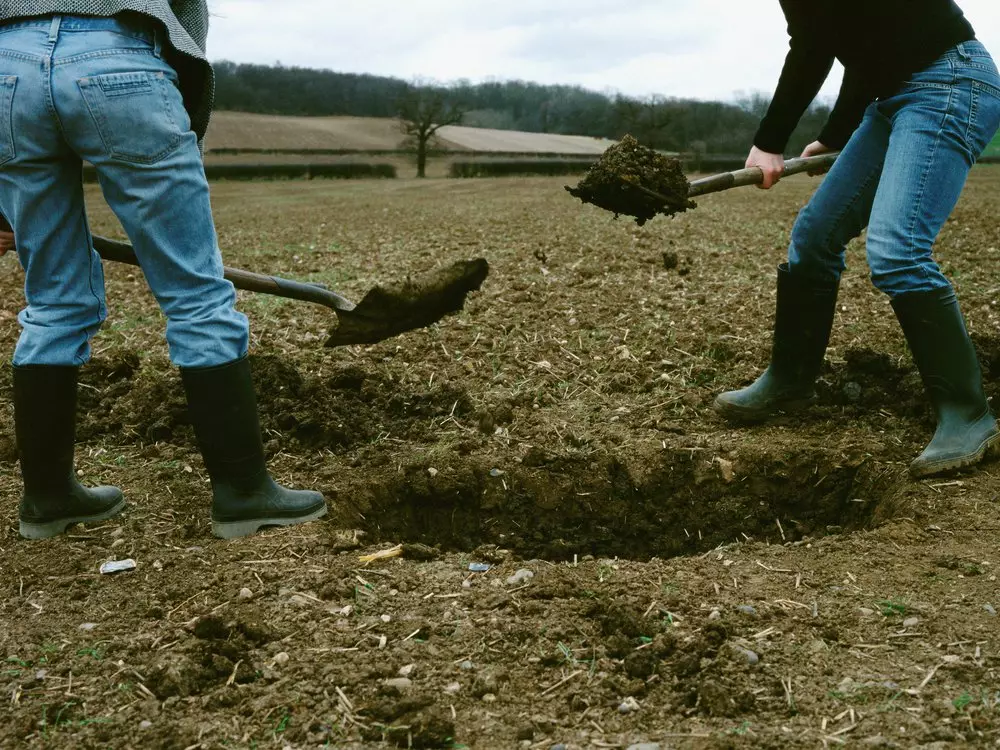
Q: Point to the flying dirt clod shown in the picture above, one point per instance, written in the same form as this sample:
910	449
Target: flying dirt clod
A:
634	180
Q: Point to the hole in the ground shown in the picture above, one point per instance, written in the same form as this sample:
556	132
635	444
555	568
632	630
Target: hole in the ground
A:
676	502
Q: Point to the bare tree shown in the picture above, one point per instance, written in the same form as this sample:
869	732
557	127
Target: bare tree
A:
423	110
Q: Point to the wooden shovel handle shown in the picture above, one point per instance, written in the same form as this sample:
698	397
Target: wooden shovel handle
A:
122	252
754	176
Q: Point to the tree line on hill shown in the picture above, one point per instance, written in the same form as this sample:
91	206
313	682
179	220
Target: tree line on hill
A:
658	121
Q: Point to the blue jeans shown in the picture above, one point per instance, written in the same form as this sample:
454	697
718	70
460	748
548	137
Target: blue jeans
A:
75	88
901	175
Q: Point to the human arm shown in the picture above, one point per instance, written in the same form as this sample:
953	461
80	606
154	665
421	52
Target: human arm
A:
806	67
852	101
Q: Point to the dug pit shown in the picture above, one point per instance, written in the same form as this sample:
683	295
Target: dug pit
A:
676	502
681	495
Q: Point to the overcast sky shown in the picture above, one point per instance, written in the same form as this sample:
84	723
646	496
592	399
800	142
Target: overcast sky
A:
708	49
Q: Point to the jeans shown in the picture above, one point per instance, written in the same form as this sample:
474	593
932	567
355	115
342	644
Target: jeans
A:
98	89
901	175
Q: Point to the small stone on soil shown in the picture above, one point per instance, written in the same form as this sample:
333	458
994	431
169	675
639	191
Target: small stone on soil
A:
645	746
629	705
281	658
747	609
400	683
990	610
466	665
520	577
407	670
865	612
751	657
452	687
714	614
88	626
145	724
246	593
911	622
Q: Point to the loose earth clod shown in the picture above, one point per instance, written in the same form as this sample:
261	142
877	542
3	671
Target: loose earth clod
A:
387	311
634	180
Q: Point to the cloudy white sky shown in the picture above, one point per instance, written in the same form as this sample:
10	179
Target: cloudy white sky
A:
708	49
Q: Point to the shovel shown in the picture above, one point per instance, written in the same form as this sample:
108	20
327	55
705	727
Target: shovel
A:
383	312
634	199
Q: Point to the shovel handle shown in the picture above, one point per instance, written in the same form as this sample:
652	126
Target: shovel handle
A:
754	176
122	252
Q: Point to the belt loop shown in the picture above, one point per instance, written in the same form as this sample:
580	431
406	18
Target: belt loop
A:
54	29
963	52
158	42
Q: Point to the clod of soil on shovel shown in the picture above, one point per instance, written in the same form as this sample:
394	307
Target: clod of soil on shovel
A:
622	181
387	311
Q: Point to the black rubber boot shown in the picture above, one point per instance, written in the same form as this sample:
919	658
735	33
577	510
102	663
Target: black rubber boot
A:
966	430
45	428
802	322
223	409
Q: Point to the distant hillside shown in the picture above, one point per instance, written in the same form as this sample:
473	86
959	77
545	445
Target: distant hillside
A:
663	122
241	130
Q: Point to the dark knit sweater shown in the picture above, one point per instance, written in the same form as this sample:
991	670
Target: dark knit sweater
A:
881	43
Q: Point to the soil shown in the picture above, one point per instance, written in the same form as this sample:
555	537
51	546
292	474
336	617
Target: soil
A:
642	572
402	306
634	180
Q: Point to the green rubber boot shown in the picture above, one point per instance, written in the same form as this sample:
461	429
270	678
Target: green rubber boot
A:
802	322
223	409
935	331
45	428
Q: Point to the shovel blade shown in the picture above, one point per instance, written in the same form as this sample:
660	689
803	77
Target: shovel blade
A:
388	311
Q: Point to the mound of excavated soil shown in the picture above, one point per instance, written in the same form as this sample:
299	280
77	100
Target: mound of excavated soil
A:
633	180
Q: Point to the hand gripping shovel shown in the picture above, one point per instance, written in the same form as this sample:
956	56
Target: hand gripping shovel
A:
383	312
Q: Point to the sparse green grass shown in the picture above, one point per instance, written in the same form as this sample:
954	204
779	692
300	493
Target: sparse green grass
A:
994	148
894	607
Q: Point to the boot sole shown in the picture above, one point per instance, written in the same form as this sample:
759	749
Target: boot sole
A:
746	415
236	529
35	531
930	469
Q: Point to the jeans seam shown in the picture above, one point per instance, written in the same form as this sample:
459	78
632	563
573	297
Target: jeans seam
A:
20	56
931	153
103	53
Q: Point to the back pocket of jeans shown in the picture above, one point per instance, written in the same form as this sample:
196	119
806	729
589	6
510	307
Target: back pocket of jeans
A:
136	114
7	86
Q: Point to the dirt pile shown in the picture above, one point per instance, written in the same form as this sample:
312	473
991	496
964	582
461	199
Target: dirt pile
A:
633	180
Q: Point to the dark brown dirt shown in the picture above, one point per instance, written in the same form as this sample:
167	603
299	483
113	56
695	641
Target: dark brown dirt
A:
634	180
390	310
693	584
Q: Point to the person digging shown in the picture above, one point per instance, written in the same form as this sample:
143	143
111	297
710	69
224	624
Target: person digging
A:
920	102
130	92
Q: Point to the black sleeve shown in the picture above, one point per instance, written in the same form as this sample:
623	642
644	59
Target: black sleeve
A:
806	67
854	98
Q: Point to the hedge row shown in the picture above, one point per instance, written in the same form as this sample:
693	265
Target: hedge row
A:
345	170
519	167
